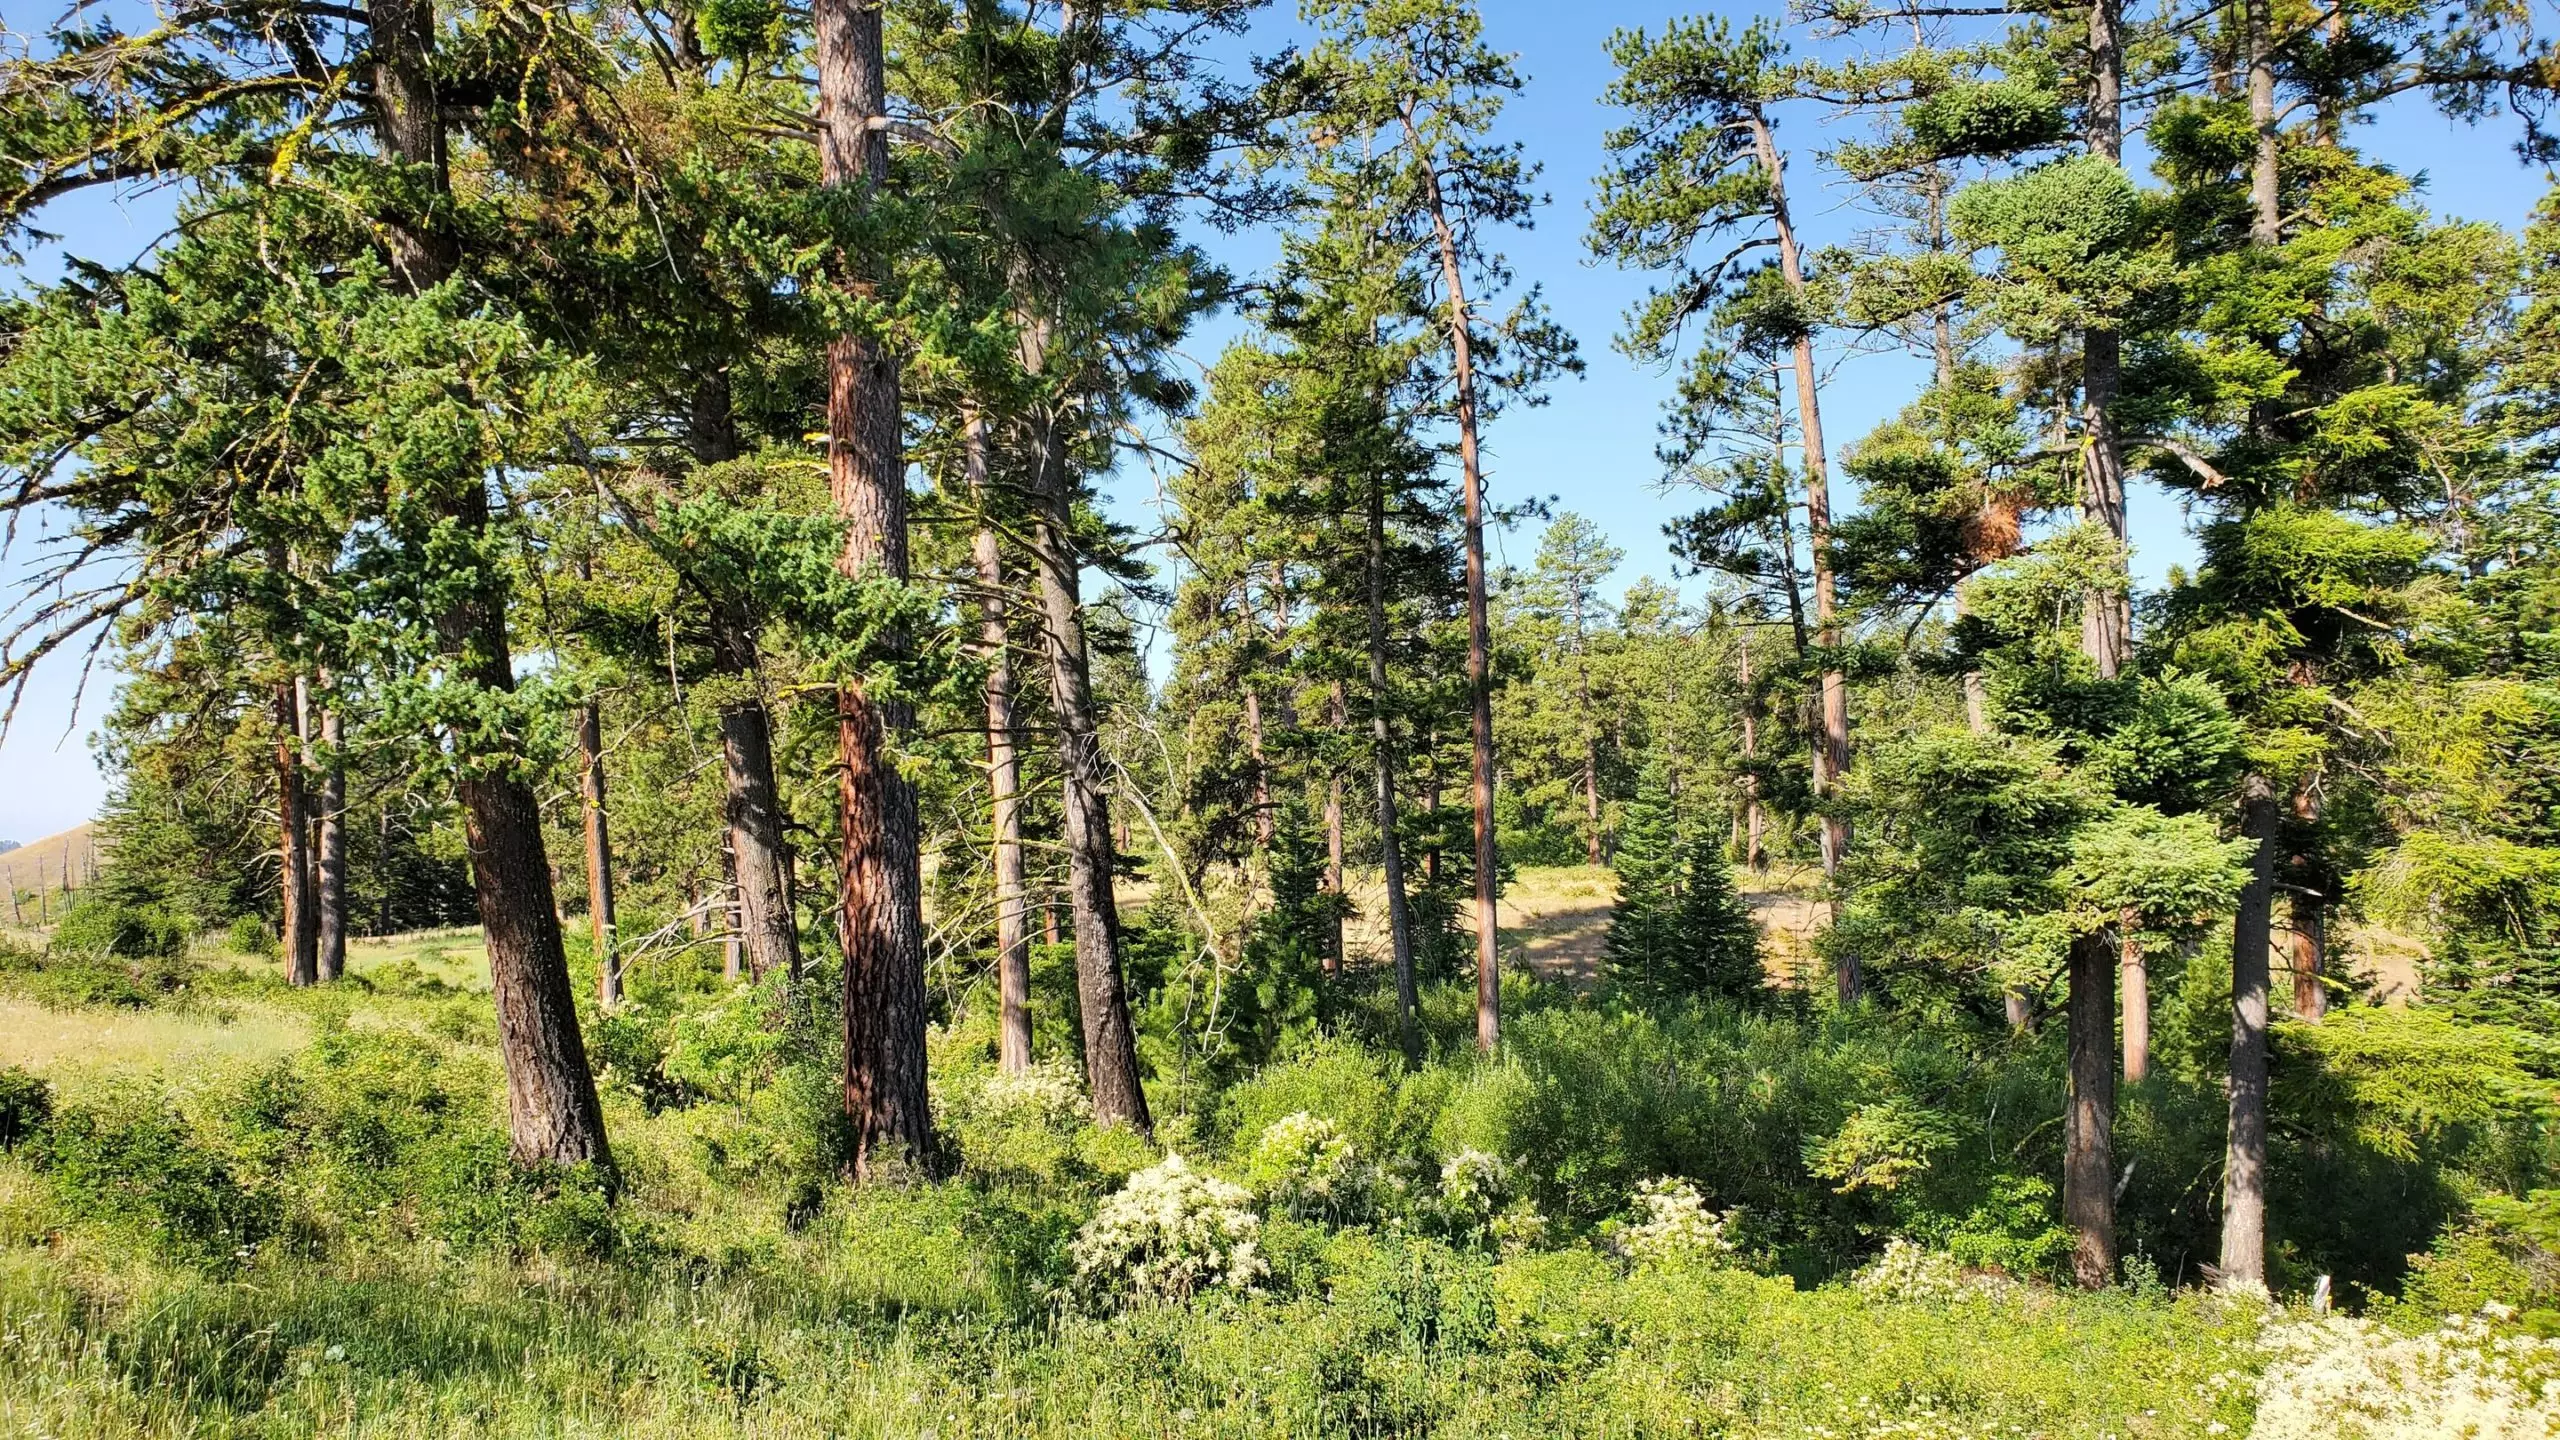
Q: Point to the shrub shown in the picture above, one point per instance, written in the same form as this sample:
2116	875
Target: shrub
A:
252	936
1672	1223
132	1163
67	978
1480	1203
1170	1234
1907	1271
26	1103
1303	1164
98	925
1023	1127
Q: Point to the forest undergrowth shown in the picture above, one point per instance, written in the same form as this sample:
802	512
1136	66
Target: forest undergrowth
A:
1620	1227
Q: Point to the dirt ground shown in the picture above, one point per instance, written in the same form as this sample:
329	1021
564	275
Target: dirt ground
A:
1554	920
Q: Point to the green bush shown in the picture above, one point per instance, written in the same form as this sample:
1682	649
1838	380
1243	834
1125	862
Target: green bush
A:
70	978
132	1162
252	936
99	925
26	1103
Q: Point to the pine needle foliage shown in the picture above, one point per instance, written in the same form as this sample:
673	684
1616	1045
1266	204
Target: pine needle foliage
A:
1681	930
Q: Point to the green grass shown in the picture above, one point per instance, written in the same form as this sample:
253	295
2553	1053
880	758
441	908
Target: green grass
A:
877	1323
257	1212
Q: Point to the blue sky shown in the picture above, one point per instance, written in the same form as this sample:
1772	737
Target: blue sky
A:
1591	449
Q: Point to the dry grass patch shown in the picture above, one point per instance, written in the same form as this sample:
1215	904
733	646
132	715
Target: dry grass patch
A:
81	1045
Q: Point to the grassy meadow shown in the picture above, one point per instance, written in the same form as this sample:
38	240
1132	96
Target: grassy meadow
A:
230	1208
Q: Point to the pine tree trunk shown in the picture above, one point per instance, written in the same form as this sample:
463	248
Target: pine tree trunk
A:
2096	958
2136	971
2088	1145
1382	741
1755	820
382	862
768	926
2266	215
297	930
1831	740
1262	816
886	1107
552	1112
1110	1042
1004	775
599	854
751	803
1479	625
733	965
2307	900
1337	718
2105	613
330	963
2244	1169
1431	809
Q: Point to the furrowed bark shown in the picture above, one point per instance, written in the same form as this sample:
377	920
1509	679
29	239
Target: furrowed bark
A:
599	854
733	966
2307	902
2244	1166
751	803
1004	777
1110	1042
881	920
330	873
2088	1149
553	1116
296	930
1382	742
2106	620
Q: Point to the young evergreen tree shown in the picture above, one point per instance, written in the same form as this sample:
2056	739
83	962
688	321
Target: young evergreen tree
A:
1680	931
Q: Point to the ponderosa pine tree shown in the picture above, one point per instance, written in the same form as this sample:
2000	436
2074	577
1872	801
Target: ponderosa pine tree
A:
1412	85
389	281
886	1106
1697	184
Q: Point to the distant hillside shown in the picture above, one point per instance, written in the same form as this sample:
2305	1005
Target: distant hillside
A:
7	845
23	868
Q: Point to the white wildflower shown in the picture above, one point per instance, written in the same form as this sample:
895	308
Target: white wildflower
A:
1910	1271
1303	1163
2336	1378
1672	1222
1050	1093
1171	1233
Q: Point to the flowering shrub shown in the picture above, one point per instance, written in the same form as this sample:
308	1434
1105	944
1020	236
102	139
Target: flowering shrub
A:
1050	1094
1910	1271
1672	1222
1304	1164
1472	1182
1021	1126
2474	1377
1478	1204
1168	1235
